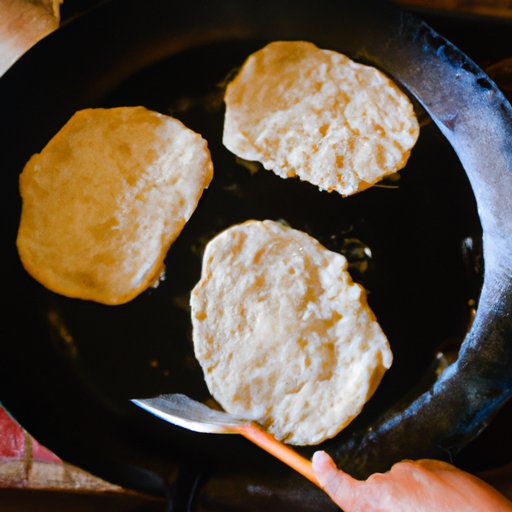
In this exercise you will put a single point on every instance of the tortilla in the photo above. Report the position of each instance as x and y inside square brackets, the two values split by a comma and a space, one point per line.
[283, 335]
[106, 198]
[316, 114]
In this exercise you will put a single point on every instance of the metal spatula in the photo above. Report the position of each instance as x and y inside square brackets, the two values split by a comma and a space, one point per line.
[187, 413]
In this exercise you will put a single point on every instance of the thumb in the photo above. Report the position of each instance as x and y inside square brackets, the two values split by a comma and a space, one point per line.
[340, 486]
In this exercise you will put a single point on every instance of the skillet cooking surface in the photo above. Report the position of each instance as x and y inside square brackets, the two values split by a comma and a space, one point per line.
[72, 366]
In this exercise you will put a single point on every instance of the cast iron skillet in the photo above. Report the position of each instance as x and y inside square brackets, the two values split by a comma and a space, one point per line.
[70, 367]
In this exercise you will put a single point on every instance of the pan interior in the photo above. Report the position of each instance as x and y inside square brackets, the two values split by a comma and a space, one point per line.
[412, 242]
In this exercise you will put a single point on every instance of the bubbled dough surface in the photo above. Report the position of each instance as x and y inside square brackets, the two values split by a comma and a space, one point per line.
[105, 199]
[282, 333]
[312, 113]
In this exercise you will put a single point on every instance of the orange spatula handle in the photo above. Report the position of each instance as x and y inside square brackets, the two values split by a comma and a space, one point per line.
[264, 440]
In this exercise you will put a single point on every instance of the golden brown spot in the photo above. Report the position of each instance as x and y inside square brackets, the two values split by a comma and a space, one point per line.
[125, 150]
[201, 315]
[103, 230]
[131, 180]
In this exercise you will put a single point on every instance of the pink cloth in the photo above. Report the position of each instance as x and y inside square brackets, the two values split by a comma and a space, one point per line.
[16, 444]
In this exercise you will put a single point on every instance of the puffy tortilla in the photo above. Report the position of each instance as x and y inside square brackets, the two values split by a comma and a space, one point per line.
[316, 114]
[283, 335]
[105, 199]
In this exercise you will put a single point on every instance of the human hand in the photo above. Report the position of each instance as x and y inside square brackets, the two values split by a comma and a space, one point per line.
[420, 486]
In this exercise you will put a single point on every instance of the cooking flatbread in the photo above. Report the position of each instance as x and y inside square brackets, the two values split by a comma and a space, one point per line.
[283, 335]
[105, 199]
[316, 114]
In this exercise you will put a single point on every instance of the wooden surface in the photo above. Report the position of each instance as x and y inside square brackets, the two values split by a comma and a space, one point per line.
[497, 8]
[22, 24]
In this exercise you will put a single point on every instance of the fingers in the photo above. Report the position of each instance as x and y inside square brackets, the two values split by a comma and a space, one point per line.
[323, 463]
[340, 486]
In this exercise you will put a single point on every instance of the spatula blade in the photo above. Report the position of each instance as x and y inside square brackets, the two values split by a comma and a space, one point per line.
[185, 412]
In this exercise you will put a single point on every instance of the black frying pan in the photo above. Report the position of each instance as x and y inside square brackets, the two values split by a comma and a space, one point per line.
[70, 368]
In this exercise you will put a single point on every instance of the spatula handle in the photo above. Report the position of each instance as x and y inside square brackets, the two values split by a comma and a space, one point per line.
[264, 440]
